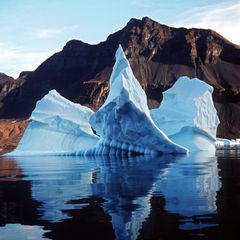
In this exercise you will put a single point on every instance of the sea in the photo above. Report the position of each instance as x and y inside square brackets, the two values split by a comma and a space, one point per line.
[195, 196]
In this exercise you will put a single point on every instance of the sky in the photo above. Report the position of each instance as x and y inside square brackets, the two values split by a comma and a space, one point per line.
[33, 30]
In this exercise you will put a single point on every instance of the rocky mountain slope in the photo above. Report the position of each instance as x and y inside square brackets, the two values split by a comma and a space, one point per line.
[158, 55]
[11, 132]
[5, 78]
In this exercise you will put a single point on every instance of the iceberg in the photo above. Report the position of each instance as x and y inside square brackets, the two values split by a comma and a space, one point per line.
[124, 123]
[58, 127]
[187, 114]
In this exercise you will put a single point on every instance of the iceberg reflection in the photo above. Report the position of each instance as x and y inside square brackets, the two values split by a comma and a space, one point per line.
[126, 185]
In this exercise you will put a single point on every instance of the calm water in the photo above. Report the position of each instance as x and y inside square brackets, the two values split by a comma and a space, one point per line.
[167, 197]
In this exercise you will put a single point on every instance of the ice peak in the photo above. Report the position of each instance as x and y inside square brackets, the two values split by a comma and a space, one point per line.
[53, 92]
[182, 86]
[124, 120]
[120, 65]
[124, 86]
[120, 53]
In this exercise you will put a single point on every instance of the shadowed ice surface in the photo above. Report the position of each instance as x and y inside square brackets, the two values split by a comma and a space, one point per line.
[168, 197]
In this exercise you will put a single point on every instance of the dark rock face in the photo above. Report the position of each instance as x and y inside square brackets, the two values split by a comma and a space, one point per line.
[5, 86]
[158, 54]
[5, 78]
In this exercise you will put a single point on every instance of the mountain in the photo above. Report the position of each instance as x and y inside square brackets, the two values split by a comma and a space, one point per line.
[158, 55]
[5, 78]
[5, 85]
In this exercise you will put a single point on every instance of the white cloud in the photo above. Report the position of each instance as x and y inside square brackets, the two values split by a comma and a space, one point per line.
[49, 32]
[54, 32]
[145, 4]
[14, 60]
[223, 18]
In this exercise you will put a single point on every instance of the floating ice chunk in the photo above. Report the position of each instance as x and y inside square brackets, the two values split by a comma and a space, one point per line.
[124, 121]
[58, 127]
[227, 144]
[187, 114]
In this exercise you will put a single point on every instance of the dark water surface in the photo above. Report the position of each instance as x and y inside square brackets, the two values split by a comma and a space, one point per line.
[167, 197]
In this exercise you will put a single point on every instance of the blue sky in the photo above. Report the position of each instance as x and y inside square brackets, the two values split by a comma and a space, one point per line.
[32, 30]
